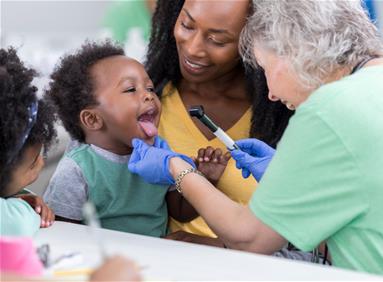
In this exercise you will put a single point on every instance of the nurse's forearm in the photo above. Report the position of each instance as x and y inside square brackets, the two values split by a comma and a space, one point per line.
[235, 224]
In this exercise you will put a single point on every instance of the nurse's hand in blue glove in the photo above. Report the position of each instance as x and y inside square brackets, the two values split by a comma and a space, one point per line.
[161, 143]
[254, 157]
[152, 162]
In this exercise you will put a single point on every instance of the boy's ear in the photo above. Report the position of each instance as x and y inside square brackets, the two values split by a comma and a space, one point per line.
[91, 120]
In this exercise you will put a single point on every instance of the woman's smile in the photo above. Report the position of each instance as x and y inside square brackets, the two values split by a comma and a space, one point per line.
[194, 67]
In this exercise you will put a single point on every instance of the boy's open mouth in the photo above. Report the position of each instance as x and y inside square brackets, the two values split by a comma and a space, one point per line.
[146, 122]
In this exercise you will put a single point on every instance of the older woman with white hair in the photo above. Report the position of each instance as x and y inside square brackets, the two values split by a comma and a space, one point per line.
[325, 180]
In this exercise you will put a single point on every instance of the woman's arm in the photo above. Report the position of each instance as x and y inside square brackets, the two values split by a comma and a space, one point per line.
[212, 163]
[235, 224]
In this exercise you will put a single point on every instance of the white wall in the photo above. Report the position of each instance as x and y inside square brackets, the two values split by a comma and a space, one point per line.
[42, 31]
[52, 16]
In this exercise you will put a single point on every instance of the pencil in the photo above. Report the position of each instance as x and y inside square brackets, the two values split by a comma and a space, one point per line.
[73, 272]
[92, 220]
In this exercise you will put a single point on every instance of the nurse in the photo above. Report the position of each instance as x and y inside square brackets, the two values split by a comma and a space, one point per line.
[324, 182]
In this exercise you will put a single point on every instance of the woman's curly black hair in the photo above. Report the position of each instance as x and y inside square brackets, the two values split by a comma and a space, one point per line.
[16, 95]
[72, 87]
[269, 119]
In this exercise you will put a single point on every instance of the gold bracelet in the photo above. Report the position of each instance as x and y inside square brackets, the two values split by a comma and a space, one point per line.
[182, 174]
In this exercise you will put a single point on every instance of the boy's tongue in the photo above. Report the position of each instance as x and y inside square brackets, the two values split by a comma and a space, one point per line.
[149, 128]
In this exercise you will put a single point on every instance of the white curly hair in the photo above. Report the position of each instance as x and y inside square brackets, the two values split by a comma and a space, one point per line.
[318, 37]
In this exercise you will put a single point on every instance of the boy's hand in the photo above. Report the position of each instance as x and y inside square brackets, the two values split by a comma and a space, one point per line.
[212, 163]
[46, 214]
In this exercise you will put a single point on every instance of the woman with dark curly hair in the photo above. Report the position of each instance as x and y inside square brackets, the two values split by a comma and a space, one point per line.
[27, 129]
[193, 59]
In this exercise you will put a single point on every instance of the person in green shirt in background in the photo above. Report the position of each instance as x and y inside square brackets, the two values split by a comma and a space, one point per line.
[324, 182]
[129, 23]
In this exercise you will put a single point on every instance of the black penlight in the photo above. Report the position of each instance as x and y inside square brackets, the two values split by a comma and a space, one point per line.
[198, 112]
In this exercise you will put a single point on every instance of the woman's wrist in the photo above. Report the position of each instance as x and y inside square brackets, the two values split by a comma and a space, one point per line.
[176, 165]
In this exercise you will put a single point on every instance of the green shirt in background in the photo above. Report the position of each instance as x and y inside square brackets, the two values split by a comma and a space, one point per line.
[325, 181]
[122, 16]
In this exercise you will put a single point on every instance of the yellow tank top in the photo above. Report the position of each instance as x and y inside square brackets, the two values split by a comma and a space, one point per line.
[178, 129]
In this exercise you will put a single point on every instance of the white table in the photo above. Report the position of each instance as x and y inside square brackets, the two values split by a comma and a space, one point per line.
[171, 260]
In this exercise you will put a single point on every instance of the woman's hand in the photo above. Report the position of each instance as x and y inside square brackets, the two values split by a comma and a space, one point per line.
[254, 157]
[193, 238]
[212, 163]
[116, 269]
[40, 207]
[152, 162]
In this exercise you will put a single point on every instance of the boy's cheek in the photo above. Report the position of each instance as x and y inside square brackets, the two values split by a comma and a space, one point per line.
[159, 107]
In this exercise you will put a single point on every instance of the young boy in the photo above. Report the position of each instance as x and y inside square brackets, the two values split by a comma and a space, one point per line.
[104, 100]
[27, 128]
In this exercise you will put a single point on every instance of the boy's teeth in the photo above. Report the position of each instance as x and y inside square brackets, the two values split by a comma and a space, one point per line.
[149, 115]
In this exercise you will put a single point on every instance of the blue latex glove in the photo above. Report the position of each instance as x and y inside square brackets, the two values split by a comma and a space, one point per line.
[161, 143]
[254, 157]
[152, 162]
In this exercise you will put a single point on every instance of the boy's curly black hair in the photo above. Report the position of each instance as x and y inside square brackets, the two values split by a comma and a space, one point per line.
[269, 119]
[16, 95]
[71, 88]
